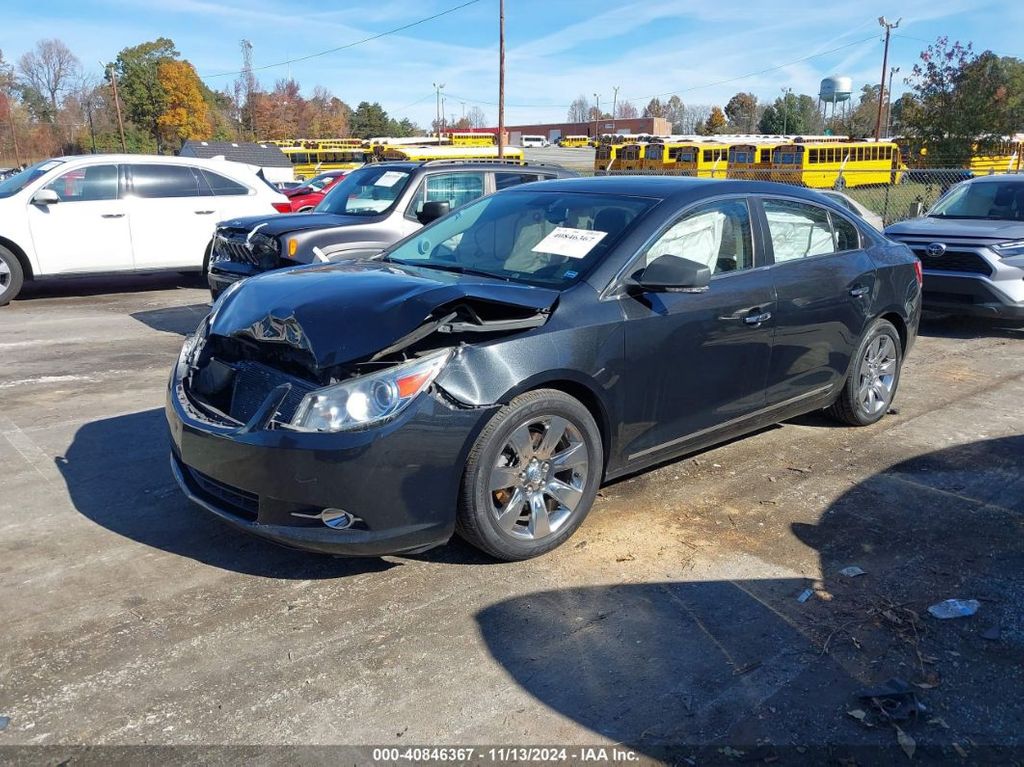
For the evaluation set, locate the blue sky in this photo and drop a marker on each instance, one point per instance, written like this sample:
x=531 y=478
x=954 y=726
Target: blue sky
x=704 y=51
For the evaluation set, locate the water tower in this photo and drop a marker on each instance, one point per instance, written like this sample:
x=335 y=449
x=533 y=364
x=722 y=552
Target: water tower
x=835 y=90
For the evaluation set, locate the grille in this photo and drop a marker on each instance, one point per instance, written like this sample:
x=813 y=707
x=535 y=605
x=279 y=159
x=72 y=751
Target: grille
x=954 y=261
x=254 y=383
x=231 y=246
x=240 y=502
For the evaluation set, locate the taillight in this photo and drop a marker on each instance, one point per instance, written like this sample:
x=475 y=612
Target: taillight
x=282 y=207
x=918 y=272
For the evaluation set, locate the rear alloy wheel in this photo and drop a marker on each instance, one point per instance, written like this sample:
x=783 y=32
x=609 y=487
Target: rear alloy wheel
x=875 y=374
x=531 y=477
x=11 y=276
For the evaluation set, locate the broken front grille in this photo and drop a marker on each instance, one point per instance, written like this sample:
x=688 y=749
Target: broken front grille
x=254 y=383
x=232 y=246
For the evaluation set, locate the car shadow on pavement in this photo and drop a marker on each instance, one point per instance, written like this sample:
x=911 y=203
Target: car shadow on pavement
x=107 y=284
x=118 y=475
x=687 y=668
x=182 y=320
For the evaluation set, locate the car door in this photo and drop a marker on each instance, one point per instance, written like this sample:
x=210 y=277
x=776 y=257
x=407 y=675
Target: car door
x=698 y=360
x=823 y=282
x=87 y=231
x=171 y=223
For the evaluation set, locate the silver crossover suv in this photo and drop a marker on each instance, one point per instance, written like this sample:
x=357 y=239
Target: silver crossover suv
x=971 y=246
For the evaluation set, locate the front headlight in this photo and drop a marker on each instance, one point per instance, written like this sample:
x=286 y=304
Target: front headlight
x=1008 y=249
x=194 y=343
x=367 y=400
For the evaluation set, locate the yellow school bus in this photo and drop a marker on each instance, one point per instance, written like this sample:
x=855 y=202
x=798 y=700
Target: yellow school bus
x=1004 y=157
x=631 y=156
x=306 y=163
x=606 y=156
x=750 y=161
x=473 y=139
x=692 y=158
x=672 y=157
x=424 y=153
x=837 y=165
x=574 y=141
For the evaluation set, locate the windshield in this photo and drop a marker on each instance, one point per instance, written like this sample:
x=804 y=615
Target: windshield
x=541 y=238
x=11 y=186
x=365 y=192
x=993 y=200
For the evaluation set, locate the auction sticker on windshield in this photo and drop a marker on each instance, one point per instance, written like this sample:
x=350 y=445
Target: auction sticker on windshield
x=389 y=179
x=572 y=243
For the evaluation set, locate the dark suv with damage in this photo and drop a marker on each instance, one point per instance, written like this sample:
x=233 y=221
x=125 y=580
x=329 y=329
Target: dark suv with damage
x=372 y=208
x=971 y=244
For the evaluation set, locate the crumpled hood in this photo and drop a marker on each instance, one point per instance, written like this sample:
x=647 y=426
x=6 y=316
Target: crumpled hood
x=287 y=223
x=348 y=311
x=958 y=228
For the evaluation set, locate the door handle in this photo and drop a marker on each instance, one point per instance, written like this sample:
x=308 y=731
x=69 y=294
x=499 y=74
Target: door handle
x=204 y=212
x=859 y=291
x=112 y=215
x=757 y=319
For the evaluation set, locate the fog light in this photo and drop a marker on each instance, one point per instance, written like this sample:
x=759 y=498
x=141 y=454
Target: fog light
x=337 y=519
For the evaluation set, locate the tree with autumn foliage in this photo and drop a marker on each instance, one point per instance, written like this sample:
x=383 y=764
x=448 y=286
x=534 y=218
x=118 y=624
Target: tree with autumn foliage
x=715 y=123
x=185 y=114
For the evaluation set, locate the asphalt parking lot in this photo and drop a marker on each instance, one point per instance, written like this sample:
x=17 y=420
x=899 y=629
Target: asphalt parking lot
x=672 y=617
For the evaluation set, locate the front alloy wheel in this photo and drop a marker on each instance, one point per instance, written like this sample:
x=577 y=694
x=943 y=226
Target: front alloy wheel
x=531 y=477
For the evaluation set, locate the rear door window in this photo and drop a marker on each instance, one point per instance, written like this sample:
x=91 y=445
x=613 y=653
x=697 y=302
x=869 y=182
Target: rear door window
x=798 y=230
x=505 y=180
x=221 y=186
x=162 y=181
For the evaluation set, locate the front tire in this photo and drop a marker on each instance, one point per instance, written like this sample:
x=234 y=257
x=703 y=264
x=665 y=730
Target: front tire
x=12 y=276
x=874 y=376
x=531 y=477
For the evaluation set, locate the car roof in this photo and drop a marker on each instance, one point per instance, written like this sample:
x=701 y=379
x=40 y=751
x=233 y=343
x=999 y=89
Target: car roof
x=678 y=188
x=210 y=163
x=995 y=178
x=495 y=165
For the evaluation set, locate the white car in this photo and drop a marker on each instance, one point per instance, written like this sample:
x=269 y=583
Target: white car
x=120 y=213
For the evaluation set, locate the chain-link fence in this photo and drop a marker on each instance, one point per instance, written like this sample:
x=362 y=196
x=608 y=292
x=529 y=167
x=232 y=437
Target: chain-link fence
x=890 y=195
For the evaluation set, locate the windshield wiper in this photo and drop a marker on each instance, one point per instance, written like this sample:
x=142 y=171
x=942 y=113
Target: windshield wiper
x=456 y=268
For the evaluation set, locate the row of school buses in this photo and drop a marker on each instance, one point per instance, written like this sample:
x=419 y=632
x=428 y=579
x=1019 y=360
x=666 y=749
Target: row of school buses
x=818 y=162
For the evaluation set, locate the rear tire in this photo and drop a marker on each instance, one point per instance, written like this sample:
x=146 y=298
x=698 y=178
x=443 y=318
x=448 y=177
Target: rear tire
x=874 y=376
x=12 y=276
x=531 y=477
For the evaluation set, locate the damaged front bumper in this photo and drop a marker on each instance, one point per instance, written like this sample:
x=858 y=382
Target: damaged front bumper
x=399 y=481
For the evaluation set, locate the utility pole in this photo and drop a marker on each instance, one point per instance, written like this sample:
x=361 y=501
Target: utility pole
x=437 y=120
x=501 y=78
x=889 y=27
x=117 y=105
x=785 y=109
x=597 y=115
x=888 y=104
x=615 y=105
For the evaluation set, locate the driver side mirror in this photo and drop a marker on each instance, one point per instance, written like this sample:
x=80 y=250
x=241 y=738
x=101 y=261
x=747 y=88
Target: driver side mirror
x=672 y=274
x=433 y=210
x=45 y=197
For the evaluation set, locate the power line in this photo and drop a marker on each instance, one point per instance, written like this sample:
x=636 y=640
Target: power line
x=379 y=35
x=694 y=87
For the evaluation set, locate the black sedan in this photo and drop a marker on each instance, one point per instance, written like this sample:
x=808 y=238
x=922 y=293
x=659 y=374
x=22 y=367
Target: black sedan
x=486 y=374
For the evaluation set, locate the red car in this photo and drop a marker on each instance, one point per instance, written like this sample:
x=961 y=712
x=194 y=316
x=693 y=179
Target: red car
x=306 y=197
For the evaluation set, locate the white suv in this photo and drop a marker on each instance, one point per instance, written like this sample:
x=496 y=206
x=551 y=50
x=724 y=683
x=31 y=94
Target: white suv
x=120 y=213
